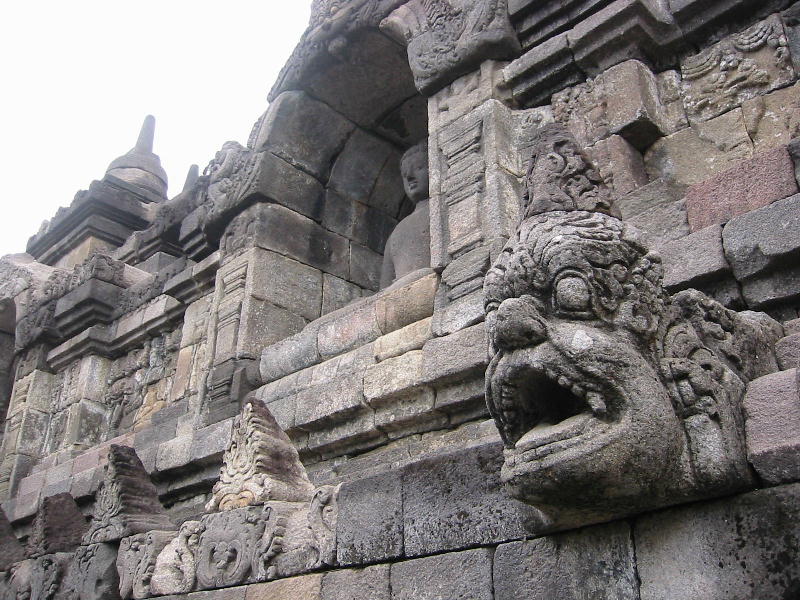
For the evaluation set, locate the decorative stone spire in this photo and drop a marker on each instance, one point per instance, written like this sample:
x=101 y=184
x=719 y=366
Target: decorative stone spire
x=140 y=167
x=191 y=178
x=11 y=550
x=58 y=526
x=127 y=502
x=260 y=464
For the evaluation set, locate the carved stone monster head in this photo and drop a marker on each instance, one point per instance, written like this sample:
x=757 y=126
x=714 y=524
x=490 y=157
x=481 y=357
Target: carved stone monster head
x=610 y=395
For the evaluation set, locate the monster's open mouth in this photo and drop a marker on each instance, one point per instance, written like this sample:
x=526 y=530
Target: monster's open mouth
x=540 y=410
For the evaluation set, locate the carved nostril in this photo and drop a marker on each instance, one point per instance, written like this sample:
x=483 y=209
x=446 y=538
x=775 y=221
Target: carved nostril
x=518 y=324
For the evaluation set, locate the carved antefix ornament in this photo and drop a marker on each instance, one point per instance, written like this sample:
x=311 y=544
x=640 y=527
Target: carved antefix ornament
x=611 y=396
x=260 y=464
x=448 y=38
x=127 y=502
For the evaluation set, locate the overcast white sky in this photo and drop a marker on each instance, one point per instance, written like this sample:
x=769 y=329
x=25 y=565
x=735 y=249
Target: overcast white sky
x=79 y=76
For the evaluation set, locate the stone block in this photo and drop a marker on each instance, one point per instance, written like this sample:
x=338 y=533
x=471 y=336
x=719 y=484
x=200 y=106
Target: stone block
x=771 y=288
x=723 y=549
x=654 y=194
x=741 y=66
x=788 y=351
x=174 y=454
x=772 y=411
x=596 y=562
x=750 y=185
x=358 y=165
x=231 y=593
x=332 y=401
x=773 y=119
x=763 y=239
x=289 y=355
x=543 y=70
x=209 y=443
x=633 y=106
x=457 y=501
x=463 y=400
x=411 y=412
x=370 y=524
x=357 y=584
x=305 y=587
x=405 y=339
x=406 y=304
x=455 y=576
x=696 y=153
x=85 y=483
x=303 y=131
x=337 y=293
x=663 y=223
x=286 y=283
x=348 y=329
x=450 y=317
x=620 y=164
x=279 y=180
x=453 y=356
x=365 y=267
x=393 y=377
x=286 y=232
x=694 y=259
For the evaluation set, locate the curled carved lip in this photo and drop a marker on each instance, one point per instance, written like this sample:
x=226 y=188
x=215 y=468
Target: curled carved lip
x=542 y=409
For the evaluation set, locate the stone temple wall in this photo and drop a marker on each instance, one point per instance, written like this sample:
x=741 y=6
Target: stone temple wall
x=590 y=391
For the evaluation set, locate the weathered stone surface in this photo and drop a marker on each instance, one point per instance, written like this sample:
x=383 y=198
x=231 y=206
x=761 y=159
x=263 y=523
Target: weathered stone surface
x=621 y=166
x=772 y=411
x=303 y=131
x=654 y=194
x=774 y=119
x=750 y=185
x=370 y=525
x=306 y=587
x=559 y=342
x=696 y=153
x=788 y=351
x=58 y=526
x=454 y=316
x=93 y=573
x=127 y=502
x=47 y=576
x=596 y=562
x=452 y=356
x=393 y=376
x=11 y=550
x=357 y=584
x=408 y=338
x=543 y=70
x=764 y=238
x=456 y=501
x=435 y=577
x=453 y=41
x=337 y=293
x=136 y=562
x=721 y=77
x=694 y=259
x=721 y=550
x=409 y=300
x=663 y=223
x=260 y=464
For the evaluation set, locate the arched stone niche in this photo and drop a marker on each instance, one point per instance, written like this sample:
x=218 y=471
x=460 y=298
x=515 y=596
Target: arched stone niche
x=344 y=117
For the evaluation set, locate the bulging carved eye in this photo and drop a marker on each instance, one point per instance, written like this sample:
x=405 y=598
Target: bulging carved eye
x=572 y=293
